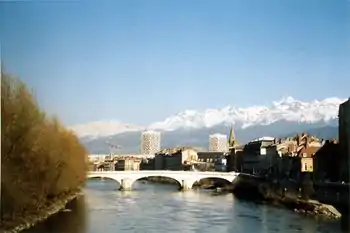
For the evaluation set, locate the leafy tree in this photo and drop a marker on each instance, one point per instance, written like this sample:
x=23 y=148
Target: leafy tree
x=41 y=159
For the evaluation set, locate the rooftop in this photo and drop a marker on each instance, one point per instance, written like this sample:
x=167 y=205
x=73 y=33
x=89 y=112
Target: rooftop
x=150 y=132
x=265 y=138
x=174 y=150
x=310 y=151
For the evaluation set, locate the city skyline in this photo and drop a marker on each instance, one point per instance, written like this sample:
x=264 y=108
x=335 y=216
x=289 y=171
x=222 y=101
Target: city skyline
x=139 y=62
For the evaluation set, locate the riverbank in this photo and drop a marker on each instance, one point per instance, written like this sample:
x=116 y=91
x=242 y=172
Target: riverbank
x=260 y=190
x=31 y=218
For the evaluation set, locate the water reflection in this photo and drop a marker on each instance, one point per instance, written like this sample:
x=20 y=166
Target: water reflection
x=73 y=221
x=161 y=208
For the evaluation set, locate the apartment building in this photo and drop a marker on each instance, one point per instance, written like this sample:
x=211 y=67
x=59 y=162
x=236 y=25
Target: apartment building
x=150 y=142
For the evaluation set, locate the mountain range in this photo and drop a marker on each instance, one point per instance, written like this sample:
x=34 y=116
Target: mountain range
x=192 y=127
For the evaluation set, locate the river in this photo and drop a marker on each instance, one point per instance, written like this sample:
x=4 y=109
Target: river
x=160 y=208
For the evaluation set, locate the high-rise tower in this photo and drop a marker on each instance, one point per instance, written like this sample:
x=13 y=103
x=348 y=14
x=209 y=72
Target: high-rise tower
x=150 y=142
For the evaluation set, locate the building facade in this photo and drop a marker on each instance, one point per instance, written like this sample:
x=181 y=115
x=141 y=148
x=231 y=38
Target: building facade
x=128 y=164
x=174 y=158
x=327 y=161
x=344 y=138
x=233 y=158
x=150 y=142
x=218 y=143
x=258 y=157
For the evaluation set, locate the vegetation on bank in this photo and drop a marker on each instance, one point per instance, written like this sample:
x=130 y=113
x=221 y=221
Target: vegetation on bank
x=41 y=160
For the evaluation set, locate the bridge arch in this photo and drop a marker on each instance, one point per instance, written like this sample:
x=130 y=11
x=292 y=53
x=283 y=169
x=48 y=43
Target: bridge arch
x=185 y=179
x=217 y=179
x=106 y=176
x=160 y=179
x=127 y=182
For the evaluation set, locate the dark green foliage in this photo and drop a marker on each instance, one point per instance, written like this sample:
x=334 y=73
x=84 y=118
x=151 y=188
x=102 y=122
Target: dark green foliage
x=40 y=158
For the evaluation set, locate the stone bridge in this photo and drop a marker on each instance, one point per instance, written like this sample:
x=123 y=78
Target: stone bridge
x=186 y=179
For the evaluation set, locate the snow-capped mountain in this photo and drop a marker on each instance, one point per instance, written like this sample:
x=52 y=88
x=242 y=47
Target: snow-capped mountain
x=287 y=109
x=103 y=128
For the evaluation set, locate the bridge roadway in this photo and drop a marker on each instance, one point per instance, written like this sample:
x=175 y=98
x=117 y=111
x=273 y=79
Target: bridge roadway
x=186 y=179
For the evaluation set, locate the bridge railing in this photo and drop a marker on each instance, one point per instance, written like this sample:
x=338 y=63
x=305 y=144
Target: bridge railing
x=165 y=172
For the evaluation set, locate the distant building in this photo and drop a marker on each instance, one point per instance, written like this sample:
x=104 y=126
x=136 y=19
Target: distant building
x=258 y=157
x=128 y=164
x=96 y=158
x=344 y=138
x=302 y=145
x=210 y=156
x=221 y=164
x=233 y=158
x=147 y=164
x=105 y=166
x=150 y=142
x=211 y=161
x=140 y=156
x=218 y=143
x=175 y=158
x=327 y=162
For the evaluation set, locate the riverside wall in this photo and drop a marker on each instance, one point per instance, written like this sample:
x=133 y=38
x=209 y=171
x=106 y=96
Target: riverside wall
x=284 y=195
x=259 y=189
x=277 y=193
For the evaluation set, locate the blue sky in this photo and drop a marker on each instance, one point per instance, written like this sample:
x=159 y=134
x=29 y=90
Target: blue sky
x=141 y=61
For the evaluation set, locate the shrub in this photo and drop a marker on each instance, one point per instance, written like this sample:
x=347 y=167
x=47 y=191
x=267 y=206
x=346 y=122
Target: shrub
x=40 y=158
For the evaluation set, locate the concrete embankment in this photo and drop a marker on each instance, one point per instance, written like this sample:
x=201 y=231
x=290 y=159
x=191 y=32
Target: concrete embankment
x=29 y=220
x=264 y=191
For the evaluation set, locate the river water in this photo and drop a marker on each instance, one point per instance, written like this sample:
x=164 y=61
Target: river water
x=161 y=208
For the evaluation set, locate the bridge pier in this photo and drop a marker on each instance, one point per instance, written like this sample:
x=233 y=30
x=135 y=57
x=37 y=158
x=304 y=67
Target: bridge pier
x=126 y=184
x=187 y=184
